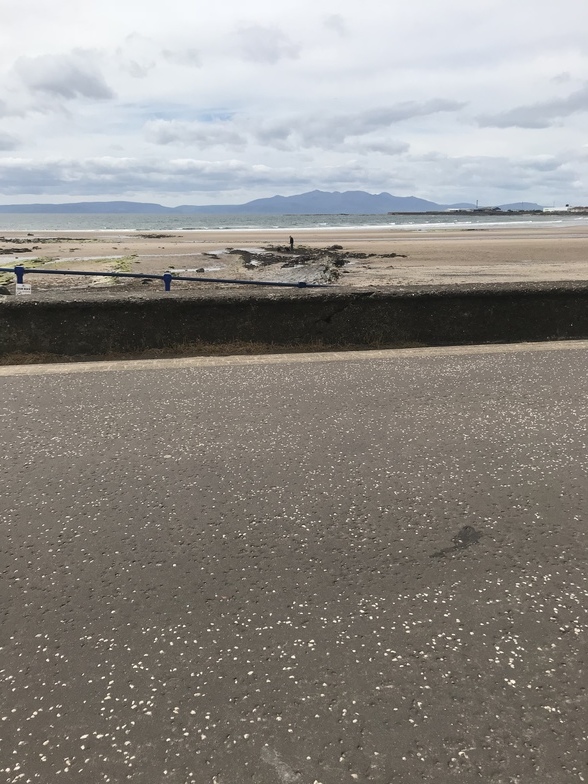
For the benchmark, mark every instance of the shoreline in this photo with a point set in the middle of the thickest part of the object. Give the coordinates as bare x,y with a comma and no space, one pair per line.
409,227
139,223
390,256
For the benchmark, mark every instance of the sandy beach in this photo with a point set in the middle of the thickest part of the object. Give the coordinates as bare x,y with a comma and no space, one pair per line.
347,257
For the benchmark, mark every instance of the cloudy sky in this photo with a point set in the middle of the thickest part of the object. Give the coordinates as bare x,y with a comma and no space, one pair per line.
184,102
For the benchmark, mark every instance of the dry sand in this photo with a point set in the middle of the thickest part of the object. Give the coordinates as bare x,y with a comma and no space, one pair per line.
424,257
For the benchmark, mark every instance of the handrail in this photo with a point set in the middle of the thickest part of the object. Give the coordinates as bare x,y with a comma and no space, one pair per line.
166,277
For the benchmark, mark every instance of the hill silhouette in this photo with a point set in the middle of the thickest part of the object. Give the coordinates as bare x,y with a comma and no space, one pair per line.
311,203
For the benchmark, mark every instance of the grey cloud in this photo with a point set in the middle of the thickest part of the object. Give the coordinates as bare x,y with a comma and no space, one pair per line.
261,44
123,175
23,104
336,23
18,105
538,115
496,179
386,147
546,163
296,133
192,133
190,58
481,173
329,131
447,178
137,70
378,118
135,55
68,76
7,142
106,176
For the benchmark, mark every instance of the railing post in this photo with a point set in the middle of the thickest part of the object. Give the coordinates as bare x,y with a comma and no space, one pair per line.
19,271
167,279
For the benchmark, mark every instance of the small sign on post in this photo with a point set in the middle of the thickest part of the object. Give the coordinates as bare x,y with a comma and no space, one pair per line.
23,288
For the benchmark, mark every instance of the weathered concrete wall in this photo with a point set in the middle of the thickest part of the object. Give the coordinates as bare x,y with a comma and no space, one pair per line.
88,324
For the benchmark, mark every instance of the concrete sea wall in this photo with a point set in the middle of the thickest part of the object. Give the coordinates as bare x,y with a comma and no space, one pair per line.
93,325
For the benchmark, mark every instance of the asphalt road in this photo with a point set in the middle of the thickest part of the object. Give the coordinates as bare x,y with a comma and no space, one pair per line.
217,571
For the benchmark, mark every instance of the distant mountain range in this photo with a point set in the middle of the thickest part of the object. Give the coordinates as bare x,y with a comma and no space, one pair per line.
311,203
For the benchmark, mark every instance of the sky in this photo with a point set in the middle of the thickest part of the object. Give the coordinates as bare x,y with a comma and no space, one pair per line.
183,102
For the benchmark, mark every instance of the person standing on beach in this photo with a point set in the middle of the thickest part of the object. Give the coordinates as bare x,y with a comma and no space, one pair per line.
291,244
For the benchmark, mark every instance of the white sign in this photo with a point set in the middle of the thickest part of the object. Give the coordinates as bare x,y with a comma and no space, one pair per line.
23,288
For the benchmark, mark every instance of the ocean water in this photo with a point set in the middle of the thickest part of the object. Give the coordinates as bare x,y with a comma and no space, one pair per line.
287,223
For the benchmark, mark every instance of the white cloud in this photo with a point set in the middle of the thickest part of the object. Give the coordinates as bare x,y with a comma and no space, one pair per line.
265,44
191,58
337,24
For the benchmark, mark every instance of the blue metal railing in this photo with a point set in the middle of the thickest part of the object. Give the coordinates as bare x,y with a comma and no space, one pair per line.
167,277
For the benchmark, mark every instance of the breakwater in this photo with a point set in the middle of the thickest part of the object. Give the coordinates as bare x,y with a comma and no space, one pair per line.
90,324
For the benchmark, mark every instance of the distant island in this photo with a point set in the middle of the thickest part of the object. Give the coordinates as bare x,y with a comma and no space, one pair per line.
311,203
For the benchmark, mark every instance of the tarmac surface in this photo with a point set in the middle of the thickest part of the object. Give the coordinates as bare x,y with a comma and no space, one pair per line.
325,569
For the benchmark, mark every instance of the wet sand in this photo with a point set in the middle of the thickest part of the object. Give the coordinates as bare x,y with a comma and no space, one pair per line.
423,257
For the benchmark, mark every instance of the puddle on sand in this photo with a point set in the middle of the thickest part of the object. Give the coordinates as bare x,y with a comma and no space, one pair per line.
80,258
197,270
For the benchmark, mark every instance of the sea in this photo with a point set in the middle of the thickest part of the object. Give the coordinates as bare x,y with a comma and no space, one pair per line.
38,222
